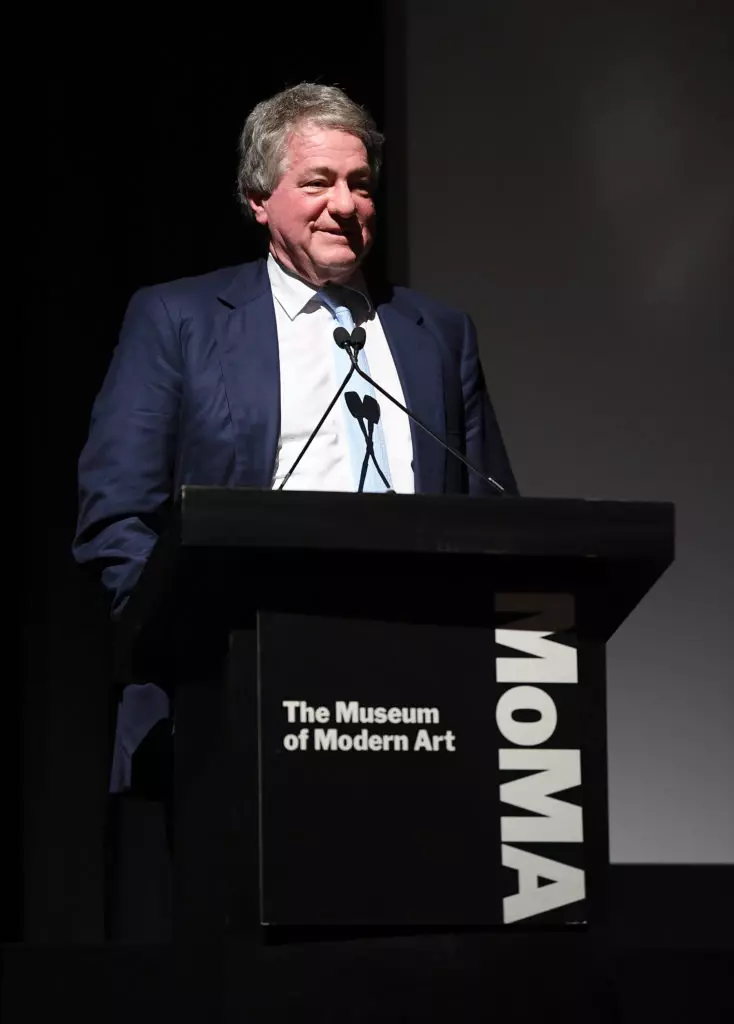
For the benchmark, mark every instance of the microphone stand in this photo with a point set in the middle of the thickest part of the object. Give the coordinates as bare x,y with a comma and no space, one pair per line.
318,427
353,346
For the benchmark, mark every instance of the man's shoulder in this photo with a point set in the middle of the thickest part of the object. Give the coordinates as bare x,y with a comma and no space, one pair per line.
202,289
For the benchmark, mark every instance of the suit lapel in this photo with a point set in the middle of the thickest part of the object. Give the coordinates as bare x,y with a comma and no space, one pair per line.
247,339
248,344
418,362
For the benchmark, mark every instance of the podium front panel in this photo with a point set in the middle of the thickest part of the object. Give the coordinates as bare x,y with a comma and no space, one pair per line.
401,783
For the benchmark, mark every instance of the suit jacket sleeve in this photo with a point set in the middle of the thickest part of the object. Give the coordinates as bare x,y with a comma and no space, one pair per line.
127,466
484,444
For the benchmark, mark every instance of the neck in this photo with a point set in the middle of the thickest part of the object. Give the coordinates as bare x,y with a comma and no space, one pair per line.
353,279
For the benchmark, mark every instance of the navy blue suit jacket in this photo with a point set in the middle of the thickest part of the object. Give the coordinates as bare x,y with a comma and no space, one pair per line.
192,396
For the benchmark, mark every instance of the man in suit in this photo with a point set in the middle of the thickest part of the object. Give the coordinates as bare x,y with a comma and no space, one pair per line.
220,379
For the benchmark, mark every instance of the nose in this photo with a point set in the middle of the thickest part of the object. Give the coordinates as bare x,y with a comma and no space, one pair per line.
341,200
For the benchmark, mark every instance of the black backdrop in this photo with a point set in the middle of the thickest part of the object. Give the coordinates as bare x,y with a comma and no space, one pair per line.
133,163
137,149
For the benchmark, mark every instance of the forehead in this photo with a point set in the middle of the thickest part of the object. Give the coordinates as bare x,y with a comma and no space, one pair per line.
310,145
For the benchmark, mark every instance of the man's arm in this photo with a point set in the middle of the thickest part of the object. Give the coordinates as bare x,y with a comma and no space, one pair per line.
126,467
484,445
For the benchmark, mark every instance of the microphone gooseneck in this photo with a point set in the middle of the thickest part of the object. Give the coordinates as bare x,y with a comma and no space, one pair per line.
353,345
342,338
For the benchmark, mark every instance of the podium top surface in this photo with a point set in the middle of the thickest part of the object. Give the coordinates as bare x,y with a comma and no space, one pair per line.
576,528
228,550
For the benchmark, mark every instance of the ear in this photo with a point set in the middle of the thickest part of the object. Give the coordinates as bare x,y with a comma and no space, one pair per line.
258,204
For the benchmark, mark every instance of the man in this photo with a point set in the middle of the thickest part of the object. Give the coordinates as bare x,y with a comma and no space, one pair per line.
221,379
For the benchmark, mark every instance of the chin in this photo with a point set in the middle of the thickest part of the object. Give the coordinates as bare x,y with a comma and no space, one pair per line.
343,254
346,261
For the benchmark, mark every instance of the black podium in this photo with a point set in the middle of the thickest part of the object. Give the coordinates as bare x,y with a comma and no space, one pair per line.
390,715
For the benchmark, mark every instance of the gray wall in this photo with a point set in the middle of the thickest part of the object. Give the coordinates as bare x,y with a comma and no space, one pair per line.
570,183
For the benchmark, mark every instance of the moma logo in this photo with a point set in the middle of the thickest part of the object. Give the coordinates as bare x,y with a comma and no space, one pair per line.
527,718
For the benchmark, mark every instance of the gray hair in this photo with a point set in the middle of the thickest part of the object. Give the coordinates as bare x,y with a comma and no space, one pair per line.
265,136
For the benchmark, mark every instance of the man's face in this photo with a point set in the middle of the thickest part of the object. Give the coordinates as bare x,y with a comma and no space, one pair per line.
321,214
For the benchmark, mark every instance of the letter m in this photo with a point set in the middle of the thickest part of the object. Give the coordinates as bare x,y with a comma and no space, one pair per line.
548,661
550,820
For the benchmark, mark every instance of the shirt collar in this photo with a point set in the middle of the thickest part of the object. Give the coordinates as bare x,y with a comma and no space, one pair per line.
293,294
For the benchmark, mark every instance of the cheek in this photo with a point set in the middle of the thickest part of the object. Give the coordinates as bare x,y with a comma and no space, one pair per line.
309,213
293,217
367,216
366,213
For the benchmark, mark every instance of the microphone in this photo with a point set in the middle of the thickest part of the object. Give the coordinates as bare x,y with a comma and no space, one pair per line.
353,344
366,412
342,337
343,340
357,340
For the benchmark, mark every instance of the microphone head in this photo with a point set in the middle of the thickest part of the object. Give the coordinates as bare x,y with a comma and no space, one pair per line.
355,404
371,410
358,338
341,337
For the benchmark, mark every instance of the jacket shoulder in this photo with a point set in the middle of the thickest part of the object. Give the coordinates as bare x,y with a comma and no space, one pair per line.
204,289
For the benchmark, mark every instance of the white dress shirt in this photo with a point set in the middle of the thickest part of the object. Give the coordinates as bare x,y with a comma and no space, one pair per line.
308,383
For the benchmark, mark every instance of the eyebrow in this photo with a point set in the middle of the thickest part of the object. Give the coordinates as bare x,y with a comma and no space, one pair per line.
326,171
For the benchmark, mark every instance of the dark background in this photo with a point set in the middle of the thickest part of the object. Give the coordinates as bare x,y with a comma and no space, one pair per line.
140,135
137,158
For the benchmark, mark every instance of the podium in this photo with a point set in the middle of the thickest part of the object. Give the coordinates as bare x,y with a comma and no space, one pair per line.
389,711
